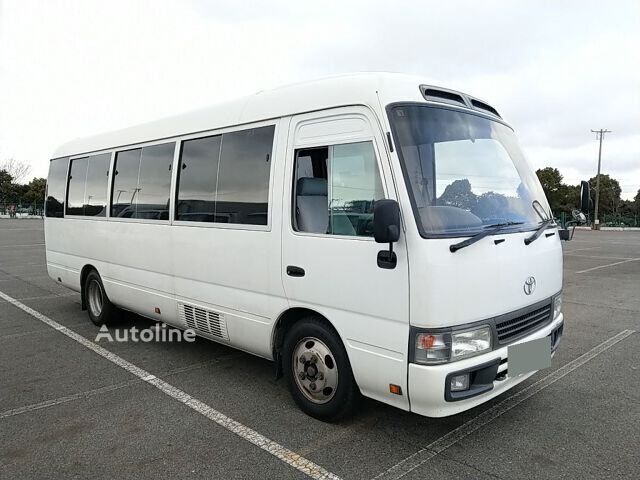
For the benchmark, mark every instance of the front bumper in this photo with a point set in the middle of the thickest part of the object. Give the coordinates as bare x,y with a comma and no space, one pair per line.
427,382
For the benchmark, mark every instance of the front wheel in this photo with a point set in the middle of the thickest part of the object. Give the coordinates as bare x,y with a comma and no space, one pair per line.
318,371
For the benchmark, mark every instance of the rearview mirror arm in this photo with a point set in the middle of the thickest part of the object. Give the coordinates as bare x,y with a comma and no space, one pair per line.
568,224
387,258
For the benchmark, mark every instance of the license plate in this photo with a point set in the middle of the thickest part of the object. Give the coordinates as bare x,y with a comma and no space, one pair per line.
529,356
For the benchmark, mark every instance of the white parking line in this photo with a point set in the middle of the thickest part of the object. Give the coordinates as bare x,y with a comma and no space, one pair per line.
596,257
413,461
24,245
16,229
107,388
607,242
579,249
67,398
282,453
609,265
35,332
51,295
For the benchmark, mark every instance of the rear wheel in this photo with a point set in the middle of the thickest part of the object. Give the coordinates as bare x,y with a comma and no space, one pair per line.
101,310
318,372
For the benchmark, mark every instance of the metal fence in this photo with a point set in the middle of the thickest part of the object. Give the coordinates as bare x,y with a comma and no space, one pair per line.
606,220
610,220
21,210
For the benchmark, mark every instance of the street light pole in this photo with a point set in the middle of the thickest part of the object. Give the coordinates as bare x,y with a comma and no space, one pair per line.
600,135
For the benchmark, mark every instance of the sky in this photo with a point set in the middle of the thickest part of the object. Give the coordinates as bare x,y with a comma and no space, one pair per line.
555,70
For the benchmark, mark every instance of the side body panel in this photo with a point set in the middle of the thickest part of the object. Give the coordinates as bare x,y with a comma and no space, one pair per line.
235,271
231,272
366,304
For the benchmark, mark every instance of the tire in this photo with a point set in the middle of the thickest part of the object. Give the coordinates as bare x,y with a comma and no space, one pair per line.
100,309
318,372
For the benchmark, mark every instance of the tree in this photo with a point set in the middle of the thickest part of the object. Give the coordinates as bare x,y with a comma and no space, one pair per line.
35,190
551,180
6,186
630,208
17,170
561,197
459,194
569,198
491,205
610,192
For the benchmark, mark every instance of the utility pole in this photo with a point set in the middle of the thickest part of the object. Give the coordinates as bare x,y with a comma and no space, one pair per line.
600,135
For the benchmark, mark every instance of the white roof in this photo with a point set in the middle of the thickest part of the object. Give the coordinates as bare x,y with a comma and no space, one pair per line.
371,89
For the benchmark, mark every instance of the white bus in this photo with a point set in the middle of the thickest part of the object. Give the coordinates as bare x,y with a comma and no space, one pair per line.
369,234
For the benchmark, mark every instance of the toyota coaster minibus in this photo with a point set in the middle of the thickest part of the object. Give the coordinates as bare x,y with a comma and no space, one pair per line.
369,234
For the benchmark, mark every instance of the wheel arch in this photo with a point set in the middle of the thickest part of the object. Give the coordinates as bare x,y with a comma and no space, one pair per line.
285,321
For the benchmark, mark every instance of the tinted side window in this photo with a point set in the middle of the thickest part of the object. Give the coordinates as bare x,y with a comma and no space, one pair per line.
142,182
243,178
95,203
198,174
154,183
76,186
336,188
355,186
54,205
125,183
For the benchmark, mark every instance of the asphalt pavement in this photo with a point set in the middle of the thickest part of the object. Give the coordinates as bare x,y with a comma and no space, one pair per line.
203,410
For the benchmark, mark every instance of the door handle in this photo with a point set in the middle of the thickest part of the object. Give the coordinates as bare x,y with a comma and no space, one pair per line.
294,271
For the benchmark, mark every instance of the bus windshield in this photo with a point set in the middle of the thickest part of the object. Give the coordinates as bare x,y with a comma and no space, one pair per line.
464,172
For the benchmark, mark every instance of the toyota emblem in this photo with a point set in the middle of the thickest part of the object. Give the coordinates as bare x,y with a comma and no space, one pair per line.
529,285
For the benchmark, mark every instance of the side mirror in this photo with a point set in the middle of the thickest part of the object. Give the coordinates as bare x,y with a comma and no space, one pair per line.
386,221
579,217
386,229
585,197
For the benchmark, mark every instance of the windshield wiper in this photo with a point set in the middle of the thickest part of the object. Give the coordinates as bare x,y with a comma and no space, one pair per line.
489,229
539,231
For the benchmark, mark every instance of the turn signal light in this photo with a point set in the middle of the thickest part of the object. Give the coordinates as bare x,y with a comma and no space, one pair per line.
426,341
395,389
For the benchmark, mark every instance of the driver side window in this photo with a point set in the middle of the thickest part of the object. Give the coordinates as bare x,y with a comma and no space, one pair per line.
335,189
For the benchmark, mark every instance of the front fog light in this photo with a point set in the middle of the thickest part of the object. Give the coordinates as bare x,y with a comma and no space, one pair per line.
557,306
468,344
459,382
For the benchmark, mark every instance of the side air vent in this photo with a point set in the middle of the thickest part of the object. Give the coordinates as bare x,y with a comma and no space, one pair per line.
478,105
442,96
204,321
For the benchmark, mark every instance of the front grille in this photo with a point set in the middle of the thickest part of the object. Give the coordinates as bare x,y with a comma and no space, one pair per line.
520,326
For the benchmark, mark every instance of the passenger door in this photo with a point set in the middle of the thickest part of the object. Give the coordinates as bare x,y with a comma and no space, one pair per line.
336,169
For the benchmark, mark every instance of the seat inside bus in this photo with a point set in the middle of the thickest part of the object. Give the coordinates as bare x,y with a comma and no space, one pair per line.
312,213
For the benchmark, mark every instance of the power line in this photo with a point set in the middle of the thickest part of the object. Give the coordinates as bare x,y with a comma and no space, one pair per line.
599,135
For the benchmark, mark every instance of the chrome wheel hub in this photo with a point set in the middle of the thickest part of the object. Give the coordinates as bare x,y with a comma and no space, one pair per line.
315,370
95,298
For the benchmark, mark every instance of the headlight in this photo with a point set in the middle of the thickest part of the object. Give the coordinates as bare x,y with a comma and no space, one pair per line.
441,347
468,344
557,305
